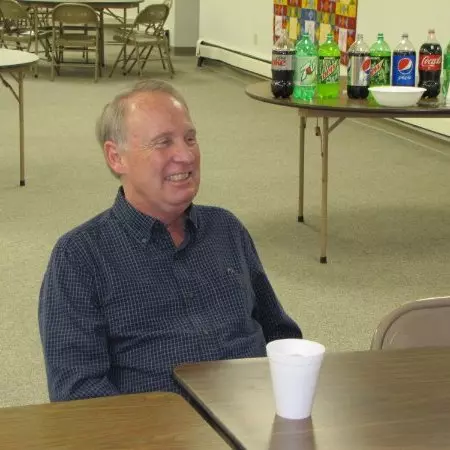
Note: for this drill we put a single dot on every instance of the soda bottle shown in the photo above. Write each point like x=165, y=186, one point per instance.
x=430, y=66
x=404, y=63
x=446, y=85
x=305, y=76
x=380, y=62
x=358, y=72
x=283, y=54
x=329, y=69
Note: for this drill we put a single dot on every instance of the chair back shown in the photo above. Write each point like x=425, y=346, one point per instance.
x=13, y=10
x=421, y=323
x=153, y=18
x=74, y=13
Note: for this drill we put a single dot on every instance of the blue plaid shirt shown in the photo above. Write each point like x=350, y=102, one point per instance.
x=121, y=306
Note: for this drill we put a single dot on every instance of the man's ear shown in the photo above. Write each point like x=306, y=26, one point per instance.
x=114, y=158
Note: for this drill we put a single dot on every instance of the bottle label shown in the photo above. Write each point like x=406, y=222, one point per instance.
x=447, y=61
x=380, y=70
x=358, y=72
x=431, y=63
x=329, y=69
x=283, y=60
x=305, y=71
x=404, y=70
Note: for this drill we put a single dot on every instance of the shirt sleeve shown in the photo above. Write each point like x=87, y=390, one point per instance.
x=73, y=331
x=275, y=322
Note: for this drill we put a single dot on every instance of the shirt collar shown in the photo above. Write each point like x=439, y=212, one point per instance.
x=140, y=224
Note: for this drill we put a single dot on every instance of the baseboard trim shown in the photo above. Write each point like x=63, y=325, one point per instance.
x=233, y=57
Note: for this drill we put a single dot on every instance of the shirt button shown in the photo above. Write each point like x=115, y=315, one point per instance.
x=144, y=240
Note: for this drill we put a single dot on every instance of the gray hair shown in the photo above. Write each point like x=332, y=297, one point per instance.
x=111, y=123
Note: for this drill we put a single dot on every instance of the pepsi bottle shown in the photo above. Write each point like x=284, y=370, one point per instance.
x=358, y=71
x=404, y=63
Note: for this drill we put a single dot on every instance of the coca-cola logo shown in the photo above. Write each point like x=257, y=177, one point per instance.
x=431, y=60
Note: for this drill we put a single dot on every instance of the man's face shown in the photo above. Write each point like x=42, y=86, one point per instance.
x=160, y=167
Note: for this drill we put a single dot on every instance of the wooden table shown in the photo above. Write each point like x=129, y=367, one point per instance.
x=372, y=400
x=16, y=62
x=340, y=109
x=141, y=421
x=99, y=5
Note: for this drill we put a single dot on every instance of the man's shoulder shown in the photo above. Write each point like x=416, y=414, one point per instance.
x=86, y=233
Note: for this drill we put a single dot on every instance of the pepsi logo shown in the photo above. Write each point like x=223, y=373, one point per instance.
x=365, y=66
x=405, y=66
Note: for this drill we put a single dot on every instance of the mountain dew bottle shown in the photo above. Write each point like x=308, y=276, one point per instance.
x=329, y=69
x=380, y=62
x=305, y=77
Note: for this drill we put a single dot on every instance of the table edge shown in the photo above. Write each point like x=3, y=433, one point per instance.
x=209, y=417
x=337, y=111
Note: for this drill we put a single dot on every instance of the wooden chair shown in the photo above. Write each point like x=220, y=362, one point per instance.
x=146, y=33
x=75, y=27
x=421, y=323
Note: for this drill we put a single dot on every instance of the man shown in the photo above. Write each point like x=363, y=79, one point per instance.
x=154, y=281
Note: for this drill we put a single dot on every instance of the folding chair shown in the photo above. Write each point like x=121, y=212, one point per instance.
x=151, y=19
x=75, y=27
x=421, y=323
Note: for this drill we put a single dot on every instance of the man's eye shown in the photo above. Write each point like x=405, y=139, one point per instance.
x=163, y=143
x=191, y=140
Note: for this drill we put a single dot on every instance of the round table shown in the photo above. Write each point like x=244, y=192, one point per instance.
x=339, y=108
x=15, y=62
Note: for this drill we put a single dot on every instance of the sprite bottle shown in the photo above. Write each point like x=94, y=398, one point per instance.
x=329, y=69
x=380, y=62
x=305, y=76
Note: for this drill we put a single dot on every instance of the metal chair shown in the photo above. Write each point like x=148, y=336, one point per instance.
x=421, y=323
x=75, y=27
x=18, y=28
x=151, y=19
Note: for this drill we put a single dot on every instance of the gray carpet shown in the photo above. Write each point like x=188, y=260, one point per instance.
x=389, y=206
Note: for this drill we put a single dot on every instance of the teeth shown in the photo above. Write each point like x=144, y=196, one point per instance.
x=178, y=176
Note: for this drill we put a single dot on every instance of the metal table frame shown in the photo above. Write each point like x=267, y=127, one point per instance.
x=15, y=62
x=338, y=109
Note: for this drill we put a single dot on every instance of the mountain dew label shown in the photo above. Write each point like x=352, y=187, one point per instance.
x=329, y=69
x=380, y=71
x=306, y=70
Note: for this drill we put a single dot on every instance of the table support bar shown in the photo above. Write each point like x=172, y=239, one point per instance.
x=301, y=171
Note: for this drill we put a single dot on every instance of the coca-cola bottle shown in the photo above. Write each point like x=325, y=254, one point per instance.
x=283, y=54
x=430, y=66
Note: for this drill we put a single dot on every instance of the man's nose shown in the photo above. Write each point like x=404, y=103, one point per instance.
x=184, y=152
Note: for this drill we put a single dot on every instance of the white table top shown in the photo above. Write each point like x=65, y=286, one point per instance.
x=15, y=59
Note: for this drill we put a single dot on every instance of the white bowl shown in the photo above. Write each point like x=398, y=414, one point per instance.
x=397, y=96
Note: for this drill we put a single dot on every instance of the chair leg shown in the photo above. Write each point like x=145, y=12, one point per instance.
x=127, y=71
x=162, y=57
x=116, y=61
x=169, y=59
x=145, y=58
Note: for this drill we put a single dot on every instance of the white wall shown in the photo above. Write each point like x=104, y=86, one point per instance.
x=246, y=26
x=243, y=25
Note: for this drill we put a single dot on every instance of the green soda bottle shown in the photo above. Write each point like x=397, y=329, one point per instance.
x=305, y=76
x=446, y=83
x=329, y=69
x=380, y=63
